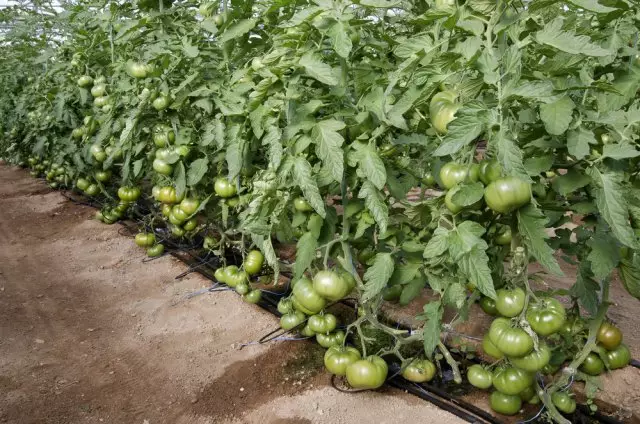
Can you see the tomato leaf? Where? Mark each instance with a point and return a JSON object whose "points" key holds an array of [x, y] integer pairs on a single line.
{"points": [[475, 266], [238, 29], [305, 254], [197, 169], [538, 164], [630, 275], [273, 140], [437, 245], [557, 115], [510, 156], [372, 166], [468, 194], [328, 146], [340, 40], [585, 289], [552, 35], [461, 131], [180, 179], [302, 174], [612, 204], [317, 69], [377, 275], [464, 238], [578, 142], [603, 257], [455, 295], [432, 315], [570, 182], [374, 201], [404, 273], [619, 151], [531, 225], [411, 290], [592, 6]]}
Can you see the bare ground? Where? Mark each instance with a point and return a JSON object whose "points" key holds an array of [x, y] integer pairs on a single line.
{"points": [[90, 334]]}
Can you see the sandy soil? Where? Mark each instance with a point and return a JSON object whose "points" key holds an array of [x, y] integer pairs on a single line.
{"points": [[91, 334]]}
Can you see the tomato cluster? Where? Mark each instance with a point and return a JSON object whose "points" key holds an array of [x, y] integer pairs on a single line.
{"points": [[559, 336], [240, 279]]}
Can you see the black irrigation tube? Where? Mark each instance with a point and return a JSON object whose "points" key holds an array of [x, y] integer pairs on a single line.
{"points": [[462, 409]]}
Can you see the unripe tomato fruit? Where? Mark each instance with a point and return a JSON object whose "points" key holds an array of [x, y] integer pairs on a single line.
{"points": [[507, 194], [301, 205], [452, 174], [224, 188], [510, 303], [619, 357], [442, 110], [419, 371], [253, 262], [161, 102], [505, 404], [368, 373], [592, 365], [330, 285], [155, 251], [609, 336], [510, 340], [338, 358], [547, 316], [565, 403], [479, 377], [253, 296]]}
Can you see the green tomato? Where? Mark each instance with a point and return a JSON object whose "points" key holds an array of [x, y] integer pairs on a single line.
{"points": [[507, 194], [177, 231], [511, 381], [291, 320], [609, 336], [301, 205], [332, 339], [488, 305], [442, 110], [253, 262], [82, 184], [323, 324], [428, 180], [510, 340], [307, 332], [145, 239], [162, 167], [368, 373], [535, 360], [338, 358], [78, 133], [285, 306], [490, 349], [253, 296], [452, 174], [419, 371], [547, 316], [98, 90], [330, 285], [220, 275], [189, 205], [619, 357], [155, 251], [307, 296], [238, 278], [503, 236], [490, 171], [479, 377], [224, 188], [228, 274], [510, 303], [102, 176], [392, 294], [92, 190], [242, 288], [137, 70], [232, 202], [190, 225], [161, 102], [129, 194], [592, 365], [179, 214], [85, 81], [505, 404], [565, 403]]}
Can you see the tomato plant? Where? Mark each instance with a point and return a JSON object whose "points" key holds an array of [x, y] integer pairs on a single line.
{"points": [[272, 128]]}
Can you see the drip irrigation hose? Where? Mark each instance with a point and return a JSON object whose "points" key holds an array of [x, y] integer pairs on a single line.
{"points": [[438, 397]]}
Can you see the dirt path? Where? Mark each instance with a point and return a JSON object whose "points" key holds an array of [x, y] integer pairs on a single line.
{"points": [[90, 334]]}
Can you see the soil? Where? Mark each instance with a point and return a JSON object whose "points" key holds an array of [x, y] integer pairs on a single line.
{"points": [[89, 333]]}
